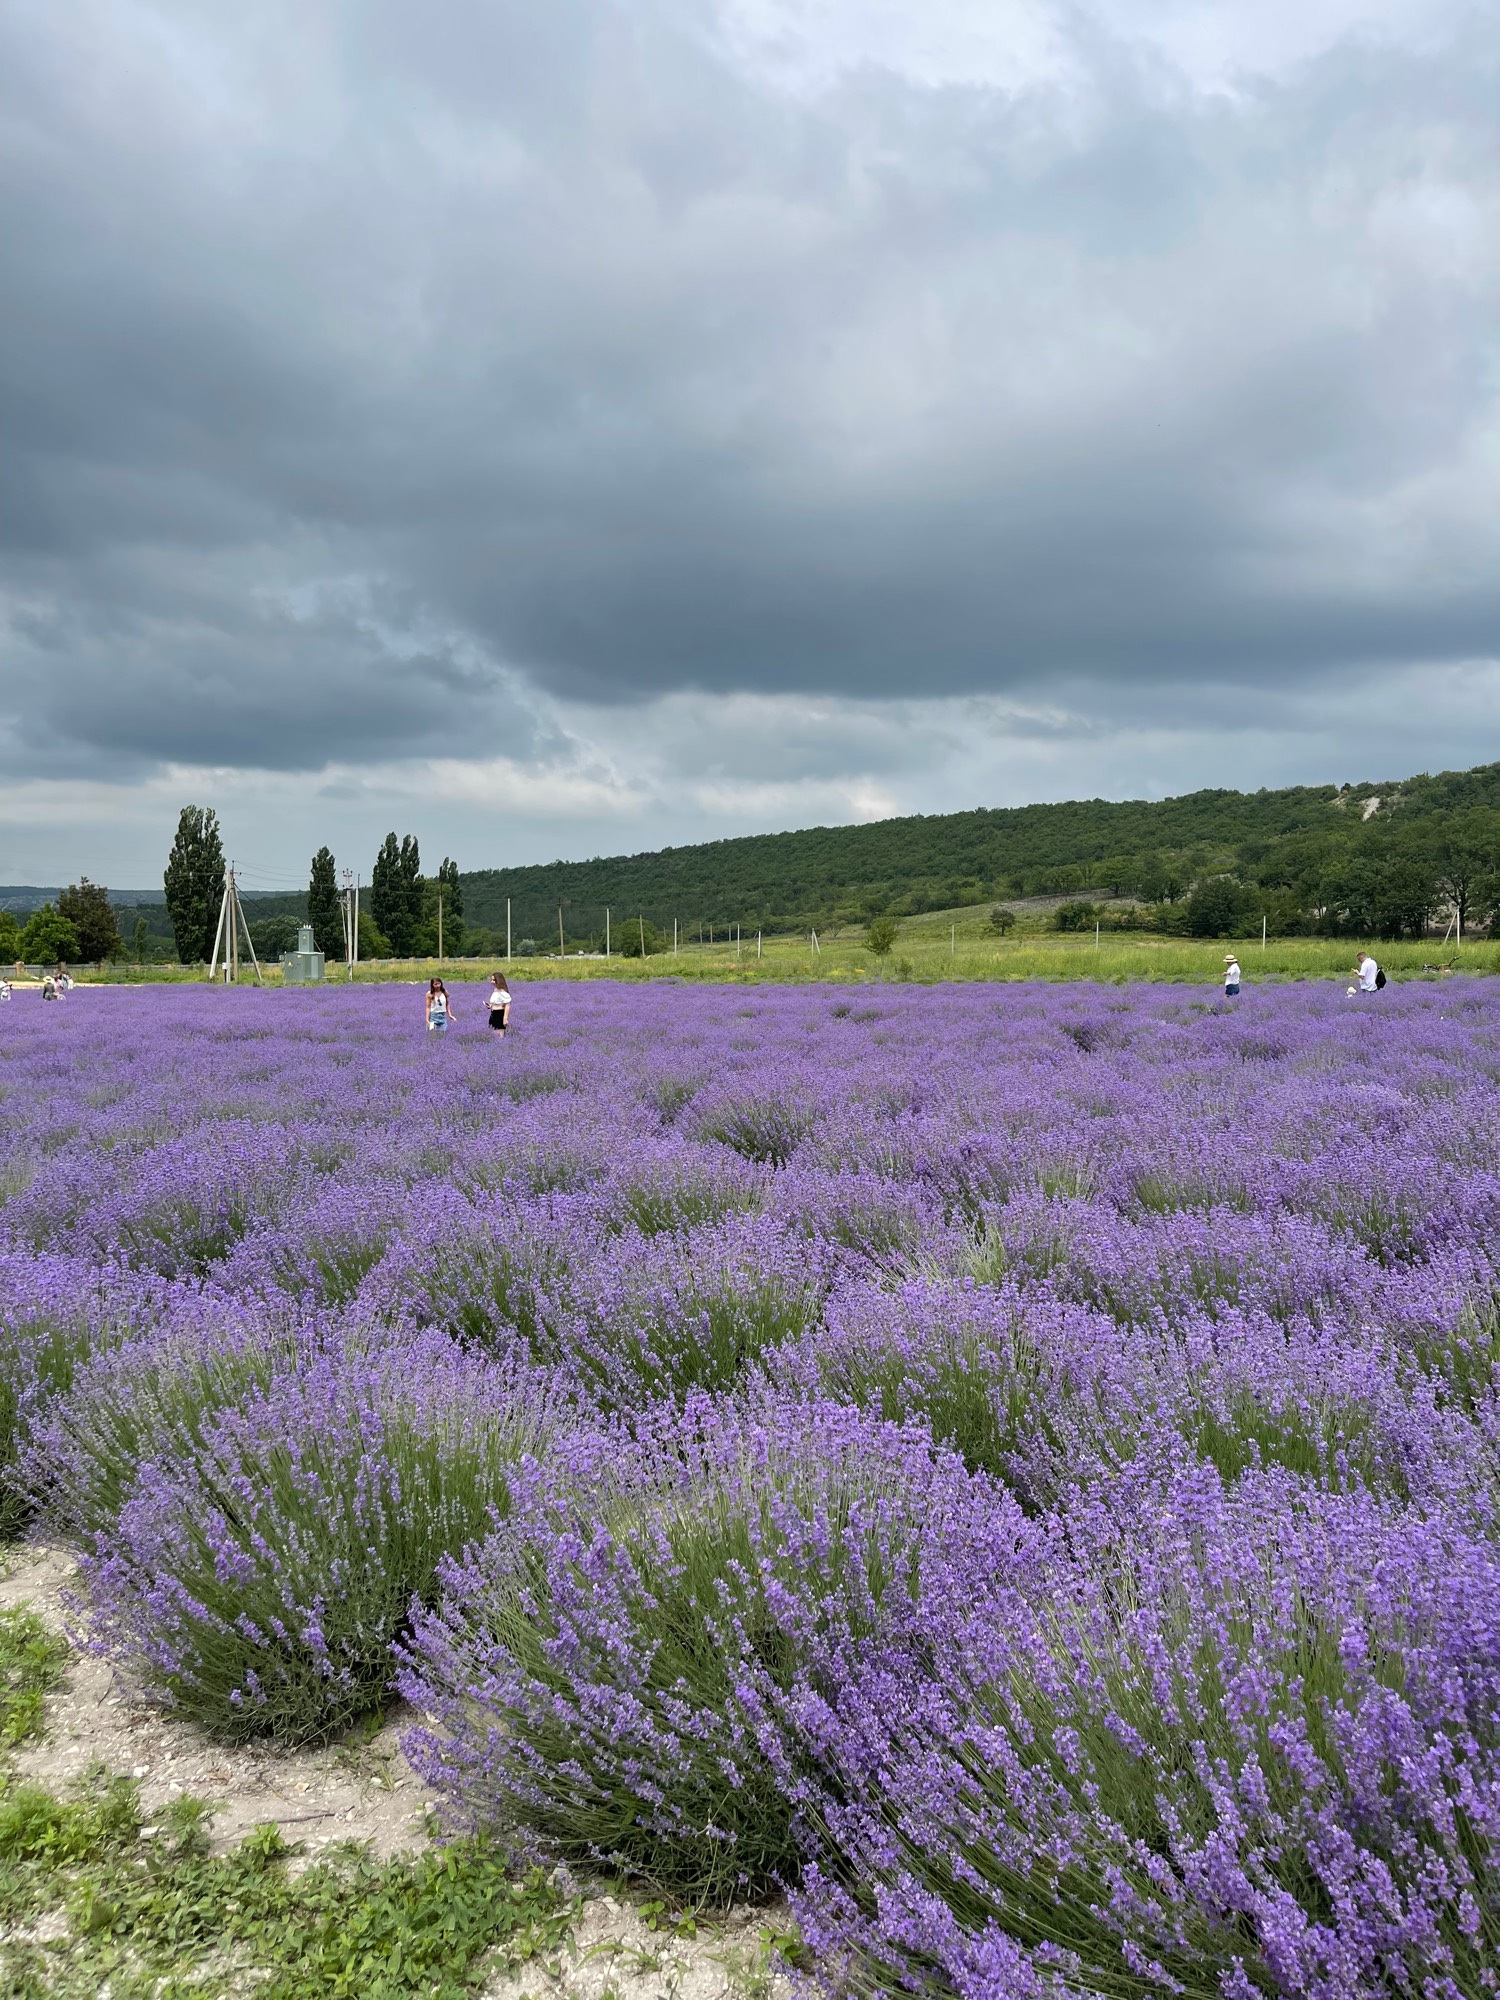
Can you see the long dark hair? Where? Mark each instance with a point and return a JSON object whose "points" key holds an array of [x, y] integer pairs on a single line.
{"points": [[436, 986], [501, 981]]}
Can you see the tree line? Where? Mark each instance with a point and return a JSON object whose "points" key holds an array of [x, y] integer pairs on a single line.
{"points": [[399, 906], [80, 928], [1379, 861]]}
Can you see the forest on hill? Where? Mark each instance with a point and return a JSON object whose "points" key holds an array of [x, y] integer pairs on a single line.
{"points": [[1381, 859]]}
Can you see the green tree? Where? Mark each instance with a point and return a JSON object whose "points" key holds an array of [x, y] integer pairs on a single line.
{"points": [[1076, 916], [1467, 857], [637, 938], [372, 941], [324, 911], [1222, 906], [48, 938], [452, 888], [1387, 887], [414, 889], [444, 884], [87, 907], [138, 941], [10, 938], [880, 934], [194, 882], [271, 936], [1002, 920], [388, 908]]}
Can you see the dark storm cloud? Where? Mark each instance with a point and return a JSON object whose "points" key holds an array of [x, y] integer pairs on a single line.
{"points": [[359, 360]]}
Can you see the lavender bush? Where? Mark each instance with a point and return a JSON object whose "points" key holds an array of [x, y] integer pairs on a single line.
{"points": [[55, 1313], [256, 1546], [1247, 1746], [1195, 1306], [586, 1666]]}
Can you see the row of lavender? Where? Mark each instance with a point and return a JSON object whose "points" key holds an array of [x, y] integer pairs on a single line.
{"points": [[1017, 1466]]}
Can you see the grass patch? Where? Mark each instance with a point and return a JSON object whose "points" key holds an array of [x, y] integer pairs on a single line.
{"points": [[149, 1912], [31, 1666]]}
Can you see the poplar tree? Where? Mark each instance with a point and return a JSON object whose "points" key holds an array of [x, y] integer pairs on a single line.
{"points": [[323, 910], [194, 882], [413, 887], [396, 891]]}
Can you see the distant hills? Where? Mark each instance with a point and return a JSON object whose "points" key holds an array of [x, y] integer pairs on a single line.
{"points": [[1292, 847]]}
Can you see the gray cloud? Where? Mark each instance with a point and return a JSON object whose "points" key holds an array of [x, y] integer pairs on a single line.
{"points": [[369, 369]]}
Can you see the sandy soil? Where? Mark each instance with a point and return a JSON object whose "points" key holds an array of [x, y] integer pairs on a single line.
{"points": [[317, 1796], [365, 1791], [614, 1955]]}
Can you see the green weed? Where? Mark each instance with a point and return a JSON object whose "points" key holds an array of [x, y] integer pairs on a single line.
{"points": [[31, 1666], [148, 1910]]}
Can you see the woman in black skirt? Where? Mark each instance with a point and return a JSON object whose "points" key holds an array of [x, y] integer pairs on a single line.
{"points": [[498, 1002]]}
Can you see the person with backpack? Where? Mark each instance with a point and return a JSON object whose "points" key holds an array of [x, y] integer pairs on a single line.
{"points": [[1371, 978], [438, 1008]]}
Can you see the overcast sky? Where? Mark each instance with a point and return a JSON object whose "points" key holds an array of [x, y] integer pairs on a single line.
{"points": [[562, 427]]}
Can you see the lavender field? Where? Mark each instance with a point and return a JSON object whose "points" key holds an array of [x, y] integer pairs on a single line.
{"points": [[1014, 1468]]}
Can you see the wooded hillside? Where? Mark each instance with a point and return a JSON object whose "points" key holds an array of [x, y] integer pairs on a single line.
{"points": [[1365, 856]]}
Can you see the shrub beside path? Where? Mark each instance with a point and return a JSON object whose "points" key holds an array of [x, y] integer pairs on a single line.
{"points": [[361, 1789]]}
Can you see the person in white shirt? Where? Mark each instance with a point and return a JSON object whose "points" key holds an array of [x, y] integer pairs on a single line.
{"points": [[1231, 975], [4, 990], [498, 1002], [1369, 973]]}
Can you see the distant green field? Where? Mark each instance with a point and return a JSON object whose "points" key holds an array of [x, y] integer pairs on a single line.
{"points": [[950, 945]]}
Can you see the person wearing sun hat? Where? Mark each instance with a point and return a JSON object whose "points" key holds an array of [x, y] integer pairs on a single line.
{"points": [[1231, 975]]}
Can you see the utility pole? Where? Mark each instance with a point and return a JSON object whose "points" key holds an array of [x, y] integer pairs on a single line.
{"points": [[643, 937], [1262, 933], [348, 906], [674, 937], [562, 949], [736, 944], [231, 922], [249, 941], [606, 930], [507, 930], [356, 916], [757, 944], [440, 928]]}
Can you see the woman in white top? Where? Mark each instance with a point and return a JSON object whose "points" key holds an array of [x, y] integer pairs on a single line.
{"points": [[438, 1008], [498, 1002], [1231, 975]]}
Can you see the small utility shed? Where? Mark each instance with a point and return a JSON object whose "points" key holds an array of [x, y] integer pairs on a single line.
{"points": [[304, 966]]}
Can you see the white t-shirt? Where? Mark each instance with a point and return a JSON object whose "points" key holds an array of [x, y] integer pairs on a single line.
{"points": [[496, 998], [1232, 973], [1367, 972], [437, 1007]]}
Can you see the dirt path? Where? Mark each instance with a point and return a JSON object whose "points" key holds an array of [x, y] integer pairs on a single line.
{"points": [[317, 1796], [367, 1792]]}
